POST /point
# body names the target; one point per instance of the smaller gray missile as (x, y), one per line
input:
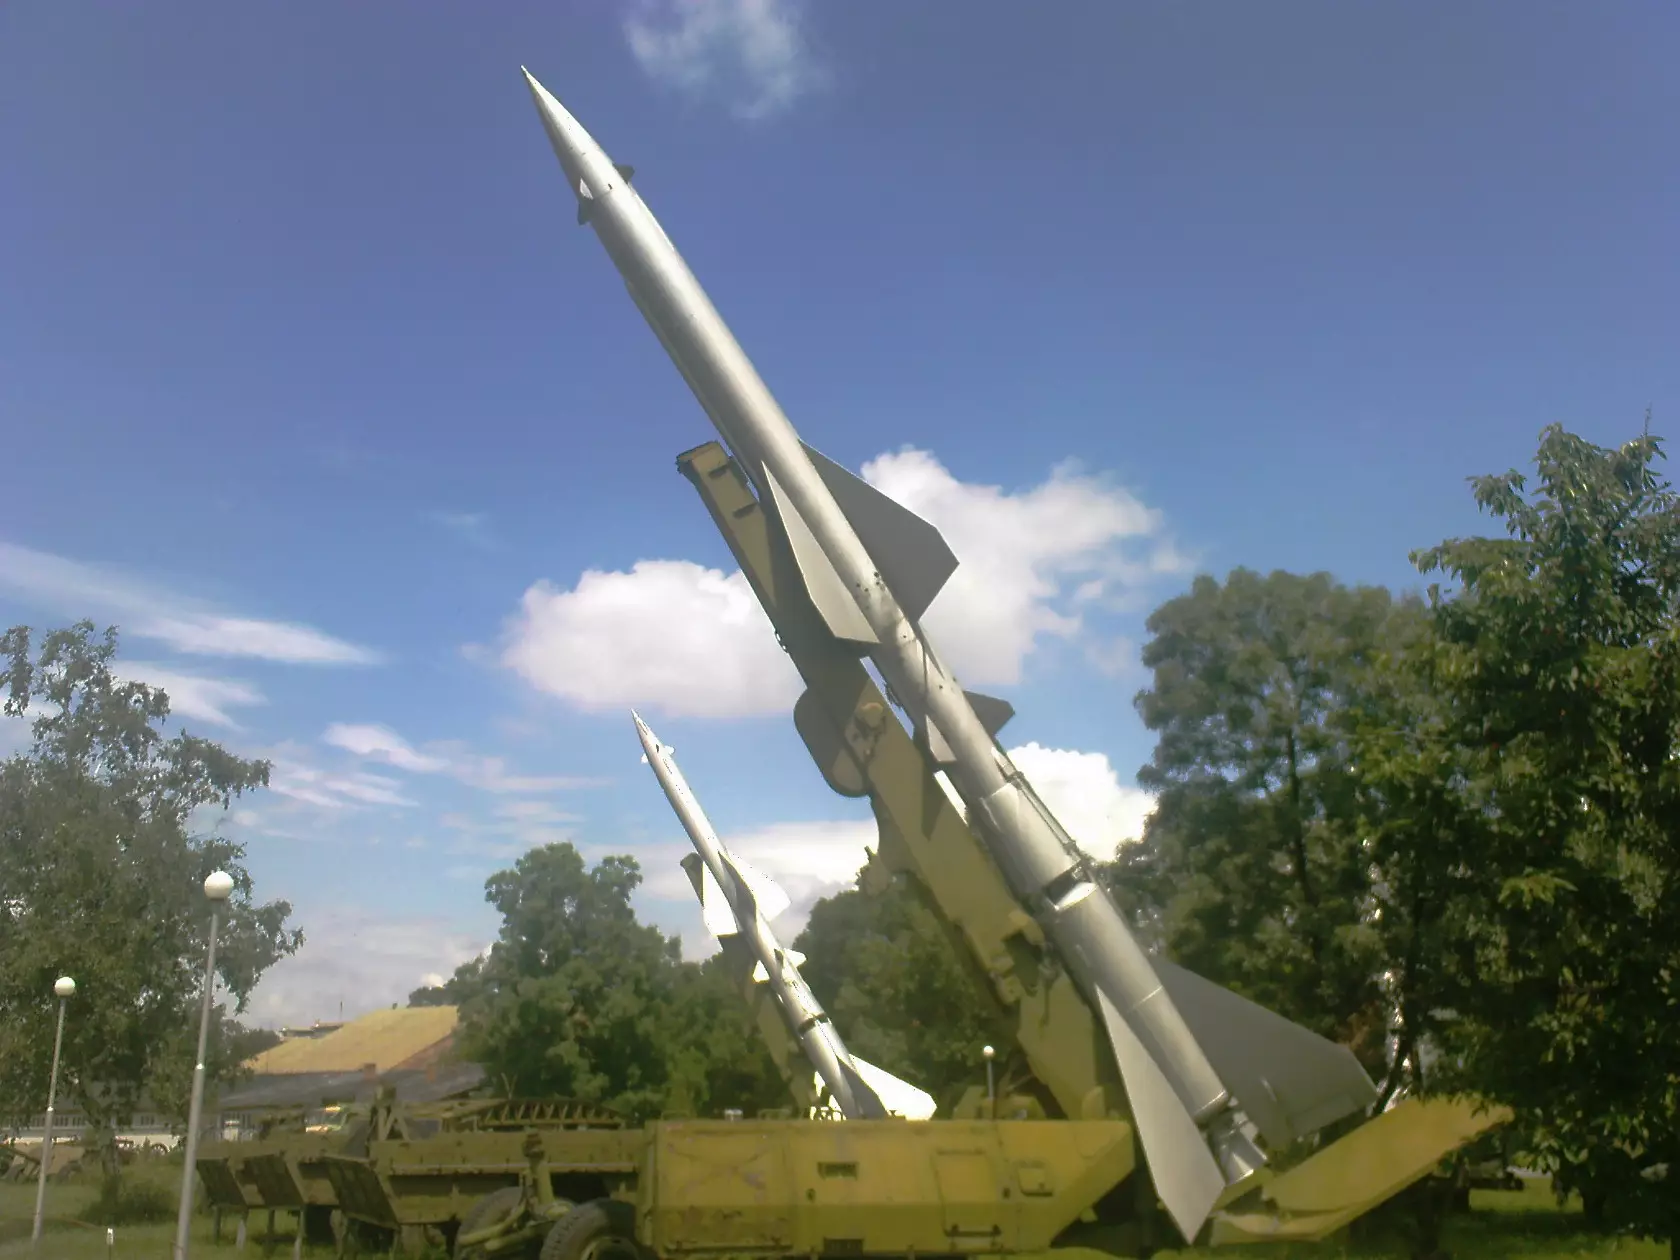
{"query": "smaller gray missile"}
(737, 900)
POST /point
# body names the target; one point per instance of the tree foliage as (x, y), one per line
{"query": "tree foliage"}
(579, 999)
(1253, 869)
(101, 876)
(888, 973)
(1541, 766)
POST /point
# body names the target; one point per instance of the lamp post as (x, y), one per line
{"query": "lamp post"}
(216, 888)
(991, 1080)
(64, 987)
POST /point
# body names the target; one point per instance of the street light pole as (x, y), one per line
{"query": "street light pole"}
(64, 987)
(216, 888)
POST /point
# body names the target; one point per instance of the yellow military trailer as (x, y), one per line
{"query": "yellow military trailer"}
(414, 1189)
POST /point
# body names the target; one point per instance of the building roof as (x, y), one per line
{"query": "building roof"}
(316, 1089)
(386, 1040)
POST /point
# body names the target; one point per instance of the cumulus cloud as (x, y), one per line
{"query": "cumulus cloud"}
(669, 636)
(813, 860)
(78, 590)
(353, 956)
(693, 642)
(810, 860)
(1031, 563)
(753, 51)
(381, 743)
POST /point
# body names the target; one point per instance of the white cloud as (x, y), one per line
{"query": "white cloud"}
(192, 695)
(381, 743)
(813, 860)
(354, 957)
(810, 860)
(751, 49)
(1030, 563)
(673, 636)
(326, 790)
(669, 636)
(83, 590)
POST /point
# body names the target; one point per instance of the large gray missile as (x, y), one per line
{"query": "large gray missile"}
(871, 568)
(738, 901)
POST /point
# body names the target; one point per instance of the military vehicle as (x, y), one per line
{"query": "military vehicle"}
(1046, 1159)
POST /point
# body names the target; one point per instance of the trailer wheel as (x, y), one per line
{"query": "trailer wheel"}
(493, 1207)
(602, 1229)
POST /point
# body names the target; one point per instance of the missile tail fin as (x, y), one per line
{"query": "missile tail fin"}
(1289, 1081)
(933, 743)
(1185, 1173)
(626, 170)
(839, 611)
(766, 893)
(898, 1098)
(715, 909)
(910, 554)
(993, 713)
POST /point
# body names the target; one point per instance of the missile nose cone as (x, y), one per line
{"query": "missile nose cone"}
(574, 146)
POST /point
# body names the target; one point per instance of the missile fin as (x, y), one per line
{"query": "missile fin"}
(794, 957)
(586, 210)
(1290, 1081)
(714, 906)
(869, 1104)
(992, 712)
(927, 734)
(626, 170)
(760, 973)
(766, 893)
(911, 554)
(833, 601)
(899, 1098)
(1186, 1176)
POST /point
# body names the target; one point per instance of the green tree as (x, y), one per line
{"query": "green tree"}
(101, 875)
(577, 998)
(1253, 869)
(572, 997)
(886, 970)
(715, 1058)
(1540, 778)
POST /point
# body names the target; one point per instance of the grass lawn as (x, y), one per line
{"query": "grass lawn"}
(1519, 1225)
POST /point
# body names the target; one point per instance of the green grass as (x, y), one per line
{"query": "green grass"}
(1516, 1225)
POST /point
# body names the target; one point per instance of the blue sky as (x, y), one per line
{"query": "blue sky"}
(310, 383)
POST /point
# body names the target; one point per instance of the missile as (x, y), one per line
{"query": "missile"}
(737, 900)
(871, 568)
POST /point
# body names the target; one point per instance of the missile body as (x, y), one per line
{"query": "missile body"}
(871, 570)
(858, 1090)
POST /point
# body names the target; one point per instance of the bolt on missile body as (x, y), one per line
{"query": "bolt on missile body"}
(871, 568)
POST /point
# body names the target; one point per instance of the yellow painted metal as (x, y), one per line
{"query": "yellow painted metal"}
(1354, 1174)
(855, 738)
(881, 1187)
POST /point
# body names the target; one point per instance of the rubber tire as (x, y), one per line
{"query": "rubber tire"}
(492, 1207)
(590, 1222)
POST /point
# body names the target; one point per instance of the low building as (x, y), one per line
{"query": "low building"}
(408, 1049)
